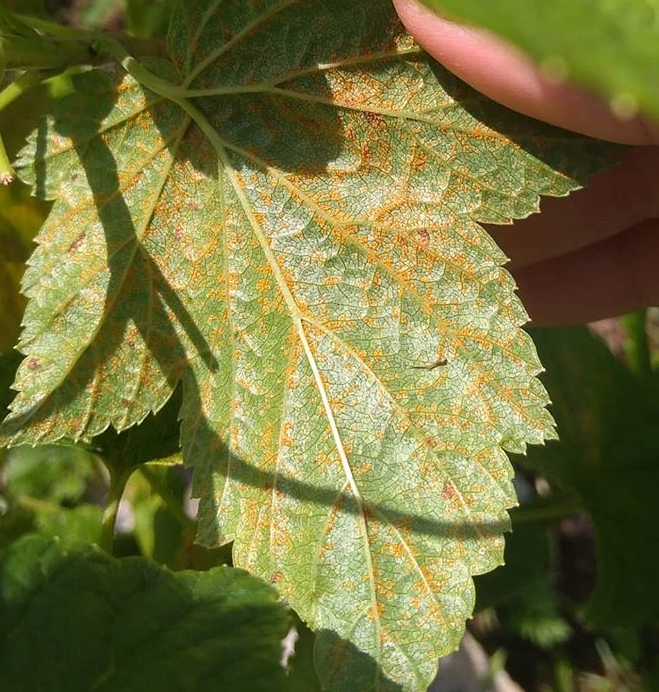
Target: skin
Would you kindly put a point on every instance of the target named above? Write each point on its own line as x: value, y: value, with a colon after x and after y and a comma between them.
x: 587, y: 256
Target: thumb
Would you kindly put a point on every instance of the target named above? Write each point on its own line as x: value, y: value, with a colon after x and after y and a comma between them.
x: 503, y: 73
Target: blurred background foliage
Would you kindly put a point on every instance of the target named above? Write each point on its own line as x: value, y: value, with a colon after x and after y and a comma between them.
x: 575, y: 608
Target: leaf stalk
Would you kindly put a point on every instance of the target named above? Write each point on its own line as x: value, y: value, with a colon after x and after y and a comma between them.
x: 118, y: 480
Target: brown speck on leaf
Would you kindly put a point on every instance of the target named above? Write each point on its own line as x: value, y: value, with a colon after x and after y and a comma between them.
x: 77, y: 242
x: 448, y: 491
x: 439, y: 363
x: 373, y: 119
x: 33, y: 363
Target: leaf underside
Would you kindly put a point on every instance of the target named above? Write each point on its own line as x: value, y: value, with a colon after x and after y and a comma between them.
x: 298, y: 242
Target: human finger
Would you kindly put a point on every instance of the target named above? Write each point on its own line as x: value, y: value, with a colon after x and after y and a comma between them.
x: 503, y: 73
x: 613, y: 200
x: 613, y: 277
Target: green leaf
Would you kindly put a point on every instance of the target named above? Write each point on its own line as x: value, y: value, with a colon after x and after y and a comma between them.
x: 301, y: 670
x: 608, y: 450
x: 82, y: 620
x: 527, y: 558
x: 71, y: 526
x: 161, y: 529
x: 26, y: 7
x: 9, y: 363
x: 20, y: 219
x: 293, y: 233
x: 155, y: 438
x: 535, y: 616
x: 147, y: 18
x: 56, y: 473
x: 618, y: 56
x: 21, y: 216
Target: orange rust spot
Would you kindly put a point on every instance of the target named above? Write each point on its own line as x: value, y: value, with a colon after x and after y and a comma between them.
x: 448, y: 491
x: 373, y: 119
x: 286, y: 439
x: 424, y: 236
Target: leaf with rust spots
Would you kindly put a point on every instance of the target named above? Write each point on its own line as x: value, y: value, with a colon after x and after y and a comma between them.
x: 296, y: 238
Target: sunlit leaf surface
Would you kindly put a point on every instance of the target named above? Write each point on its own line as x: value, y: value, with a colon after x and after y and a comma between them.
x: 295, y: 237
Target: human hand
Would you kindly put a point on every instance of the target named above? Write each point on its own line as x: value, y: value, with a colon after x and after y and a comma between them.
x: 595, y: 253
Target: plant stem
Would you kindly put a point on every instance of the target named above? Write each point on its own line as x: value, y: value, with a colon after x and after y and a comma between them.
x: 7, y: 173
x: 137, y: 46
x: 35, y: 505
x: 45, y: 52
x: 21, y: 85
x: 118, y: 482
x: 7, y: 96
x: 172, y: 503
x: 637, y: 349
x: 545, y: 512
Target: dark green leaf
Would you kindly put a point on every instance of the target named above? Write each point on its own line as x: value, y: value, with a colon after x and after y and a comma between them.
x: 609, y: 449
x: 161, y: 528
x: 147, y: 18
x: 85, y: 621
x: 526, y: 561
x: 56, y: 473
x: 156, y: 437
x: 71, y: 526
x: 301, y: 669
x: 618, y: 54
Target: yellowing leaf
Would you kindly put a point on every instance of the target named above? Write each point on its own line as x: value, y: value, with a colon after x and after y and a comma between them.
x: 293, y: 232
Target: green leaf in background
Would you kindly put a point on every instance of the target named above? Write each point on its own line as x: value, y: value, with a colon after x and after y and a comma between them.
x: 293, y: 233
x: 161, y: 528
x: 527, y: 558
x: 301, y: 669
x: 28, y: 7
x: 97, y: 14
x: 522, y: 590
x: 617, y: 56
x: 82, y: 620
x: 53, y: 473
x: 147, y: 18
x: 608, y: 453
x: 80, y: 525
x: 21, y: 215
x: 155, y: 438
